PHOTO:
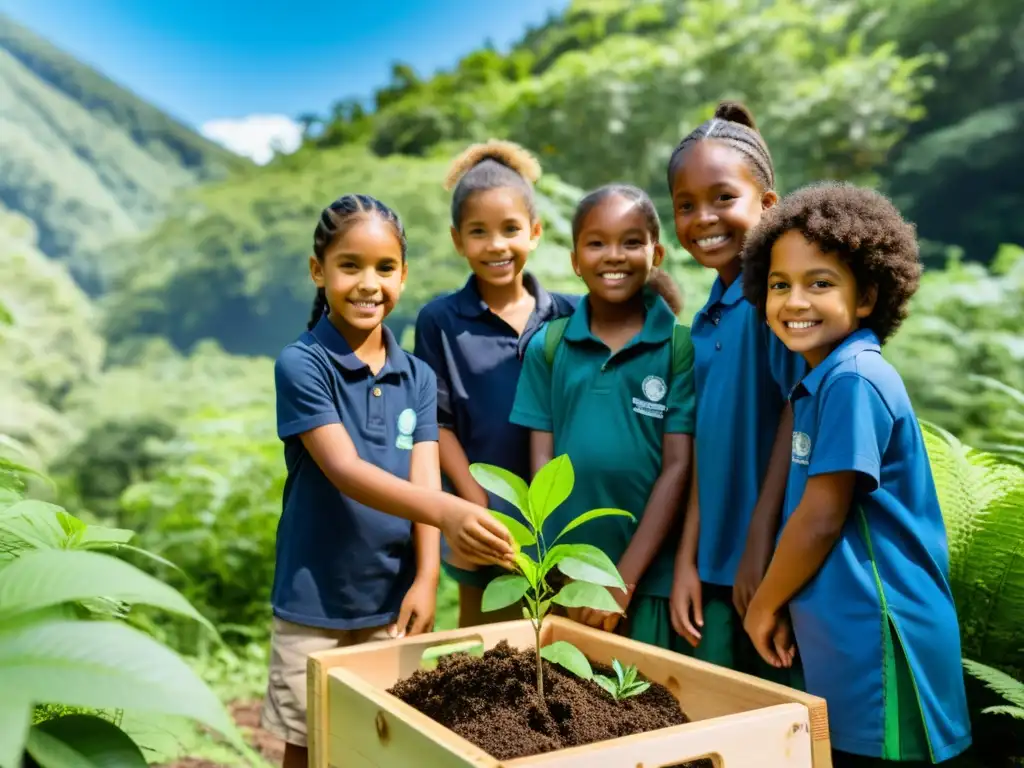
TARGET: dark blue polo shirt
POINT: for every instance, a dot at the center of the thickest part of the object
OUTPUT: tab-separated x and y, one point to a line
340	564
477	358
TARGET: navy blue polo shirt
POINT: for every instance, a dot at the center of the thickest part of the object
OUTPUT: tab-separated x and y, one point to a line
743	374
884	588
341	564
477	359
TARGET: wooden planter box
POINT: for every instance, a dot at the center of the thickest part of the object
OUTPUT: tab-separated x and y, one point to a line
738	720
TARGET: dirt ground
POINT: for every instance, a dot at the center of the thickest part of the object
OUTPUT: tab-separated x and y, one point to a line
247	716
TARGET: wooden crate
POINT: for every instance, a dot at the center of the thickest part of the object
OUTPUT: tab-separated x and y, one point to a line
738	720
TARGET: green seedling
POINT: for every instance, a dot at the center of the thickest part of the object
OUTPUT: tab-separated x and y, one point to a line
592	572
625	684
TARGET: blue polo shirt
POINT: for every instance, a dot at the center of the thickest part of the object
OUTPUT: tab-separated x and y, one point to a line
884	588
341	564
743	374
477	359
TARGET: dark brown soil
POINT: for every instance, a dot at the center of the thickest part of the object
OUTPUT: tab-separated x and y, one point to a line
493	702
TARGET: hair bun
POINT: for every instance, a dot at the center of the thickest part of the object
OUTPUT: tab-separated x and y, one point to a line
735	112
507	153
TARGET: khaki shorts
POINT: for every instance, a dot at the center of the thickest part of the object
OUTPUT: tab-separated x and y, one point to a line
284	706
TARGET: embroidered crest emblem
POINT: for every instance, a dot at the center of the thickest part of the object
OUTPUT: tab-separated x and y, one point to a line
801	447
654	388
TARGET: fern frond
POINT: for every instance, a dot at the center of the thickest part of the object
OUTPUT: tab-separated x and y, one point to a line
1003	709
997	681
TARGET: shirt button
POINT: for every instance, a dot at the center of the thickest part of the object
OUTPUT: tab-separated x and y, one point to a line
718	345
376	392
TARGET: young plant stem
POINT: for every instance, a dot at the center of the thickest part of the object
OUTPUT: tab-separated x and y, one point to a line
540	668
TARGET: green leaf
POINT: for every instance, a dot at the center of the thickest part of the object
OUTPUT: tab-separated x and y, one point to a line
503	484
608	684
551	486
504	591
97	535
35	523
1004	709
113	547
567	655
104	665
585	562
529	568
617	666
635	689
83	741
521	534
582	594
593	514
50	577
630	675
15	718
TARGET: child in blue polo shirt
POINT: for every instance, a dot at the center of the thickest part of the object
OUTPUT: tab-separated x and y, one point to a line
862	561
472	339
612	387
721	180
357	543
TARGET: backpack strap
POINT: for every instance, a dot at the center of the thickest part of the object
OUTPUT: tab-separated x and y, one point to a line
553	337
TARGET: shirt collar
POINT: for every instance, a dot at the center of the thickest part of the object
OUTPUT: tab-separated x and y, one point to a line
722	295
862	340
470	303
658	323
340	351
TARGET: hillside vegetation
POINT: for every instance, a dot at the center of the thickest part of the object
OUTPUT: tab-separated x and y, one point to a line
83	158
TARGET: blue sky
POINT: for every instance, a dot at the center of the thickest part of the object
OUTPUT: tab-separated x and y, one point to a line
203	60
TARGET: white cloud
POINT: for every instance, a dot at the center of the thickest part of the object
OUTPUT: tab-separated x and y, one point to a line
255	136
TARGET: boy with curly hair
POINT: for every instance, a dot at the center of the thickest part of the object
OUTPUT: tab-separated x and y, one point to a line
862	560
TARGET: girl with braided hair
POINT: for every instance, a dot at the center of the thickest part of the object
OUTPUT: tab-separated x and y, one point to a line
721	180
357	545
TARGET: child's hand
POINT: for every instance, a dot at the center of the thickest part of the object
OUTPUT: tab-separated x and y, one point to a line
474	535
771	635
418	607
608	620
686	599
752	567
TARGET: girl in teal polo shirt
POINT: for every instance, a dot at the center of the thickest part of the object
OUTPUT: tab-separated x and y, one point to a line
862	560
616	395
357	543
721	180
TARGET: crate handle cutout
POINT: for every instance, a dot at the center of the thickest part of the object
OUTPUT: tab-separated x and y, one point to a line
473	645
715	759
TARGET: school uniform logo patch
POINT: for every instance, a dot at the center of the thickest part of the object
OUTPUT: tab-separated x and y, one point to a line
654	390
406	426
801	447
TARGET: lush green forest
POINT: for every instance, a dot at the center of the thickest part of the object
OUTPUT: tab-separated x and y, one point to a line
150	277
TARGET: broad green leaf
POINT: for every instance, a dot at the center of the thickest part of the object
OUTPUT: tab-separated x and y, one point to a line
593	514
15	718
113	547
83	741
504	591
35	523
94	535
608	684
585	562
569	656
521	534
551	486
50	577
581	594
528	567
503	484
105	665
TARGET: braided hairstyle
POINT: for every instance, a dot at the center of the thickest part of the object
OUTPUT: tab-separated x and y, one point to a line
660	281
492	165
335	220
734	125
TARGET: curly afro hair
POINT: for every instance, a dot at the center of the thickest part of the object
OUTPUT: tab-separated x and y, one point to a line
862	227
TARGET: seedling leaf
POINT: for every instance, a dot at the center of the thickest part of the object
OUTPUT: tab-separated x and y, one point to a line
522	535
551	486
504	591
585	562
608	684
581	594
569	656
504	484
593	514
618	672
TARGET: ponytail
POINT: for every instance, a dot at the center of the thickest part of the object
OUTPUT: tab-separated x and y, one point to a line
319	308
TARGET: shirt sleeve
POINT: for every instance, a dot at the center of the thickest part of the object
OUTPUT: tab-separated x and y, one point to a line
787	368
854	427
429	347
303	391
682	398
532	405
426	407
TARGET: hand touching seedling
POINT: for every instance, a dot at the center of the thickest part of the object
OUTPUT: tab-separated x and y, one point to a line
625	685
590	569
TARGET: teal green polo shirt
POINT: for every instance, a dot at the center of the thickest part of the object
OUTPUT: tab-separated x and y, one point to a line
608	412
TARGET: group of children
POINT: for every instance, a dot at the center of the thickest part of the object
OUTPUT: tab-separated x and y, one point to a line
770	456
